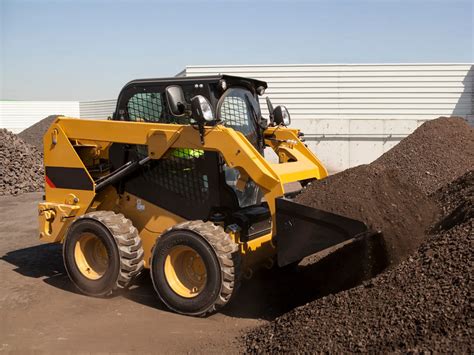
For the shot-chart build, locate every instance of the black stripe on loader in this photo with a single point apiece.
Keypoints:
(69, 178)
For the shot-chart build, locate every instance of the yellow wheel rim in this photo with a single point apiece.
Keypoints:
(185, 271)
(91, 256)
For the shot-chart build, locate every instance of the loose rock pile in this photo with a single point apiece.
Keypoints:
(33, 135)
(436, 153)
(21, 159)
(391, 194)
(423, 303)
(21, 165)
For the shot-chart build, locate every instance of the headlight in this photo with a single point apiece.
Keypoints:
(206, 109)
(223, 84)
(201, 109)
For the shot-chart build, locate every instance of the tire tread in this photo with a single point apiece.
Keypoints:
(228, 255)
(128, 243)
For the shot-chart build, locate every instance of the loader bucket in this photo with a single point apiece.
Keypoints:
(302, 230)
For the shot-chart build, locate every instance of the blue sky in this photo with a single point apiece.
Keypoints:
(78, 50)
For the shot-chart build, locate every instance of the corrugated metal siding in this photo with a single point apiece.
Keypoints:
(18, 115)
(393, 91)
(100, 109)
(351, 114)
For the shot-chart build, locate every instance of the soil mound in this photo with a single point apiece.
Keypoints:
(422, 304)
(436, 153)
(391, 194)
(21, 165)
(33, 135)
(383, 198)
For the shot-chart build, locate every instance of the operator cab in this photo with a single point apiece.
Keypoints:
(233, 102)
(195, 183)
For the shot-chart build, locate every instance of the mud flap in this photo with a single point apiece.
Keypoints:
(302, 230)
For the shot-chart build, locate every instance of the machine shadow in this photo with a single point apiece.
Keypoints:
(45, 261)
(269, 294)
(274, 292)
(41, 261)
(463, 106)
(142, 292)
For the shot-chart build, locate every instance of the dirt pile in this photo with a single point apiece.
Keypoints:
(391, 194)
(33, 135)
(21, 165)
(383, 199)
(436, 153)
(422, 304)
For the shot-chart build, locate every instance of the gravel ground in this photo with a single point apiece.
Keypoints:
(423, 304)
(21, 165)
(41, 312)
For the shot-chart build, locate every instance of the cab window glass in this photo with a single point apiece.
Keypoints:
(239, 110)
(145, 107)
(151, 107)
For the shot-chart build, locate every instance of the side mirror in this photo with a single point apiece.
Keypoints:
(176, 100)
(281, 116)
(201, 110)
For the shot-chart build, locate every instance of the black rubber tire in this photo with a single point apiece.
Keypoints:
(222, 260)
(124, 249)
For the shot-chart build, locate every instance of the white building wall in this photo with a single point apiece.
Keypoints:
(99, 109)
(351, 114)
(18, 115)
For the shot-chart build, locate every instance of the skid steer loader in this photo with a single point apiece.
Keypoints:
(177, 182)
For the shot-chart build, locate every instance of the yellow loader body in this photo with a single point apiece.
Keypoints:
(177, 182)
(70, 190)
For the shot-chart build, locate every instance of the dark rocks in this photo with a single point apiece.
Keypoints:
(33, 135)
(436, 153)
(21, 159)
(380, 196)
(424, 303)
(21, 165)
(390, 194)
